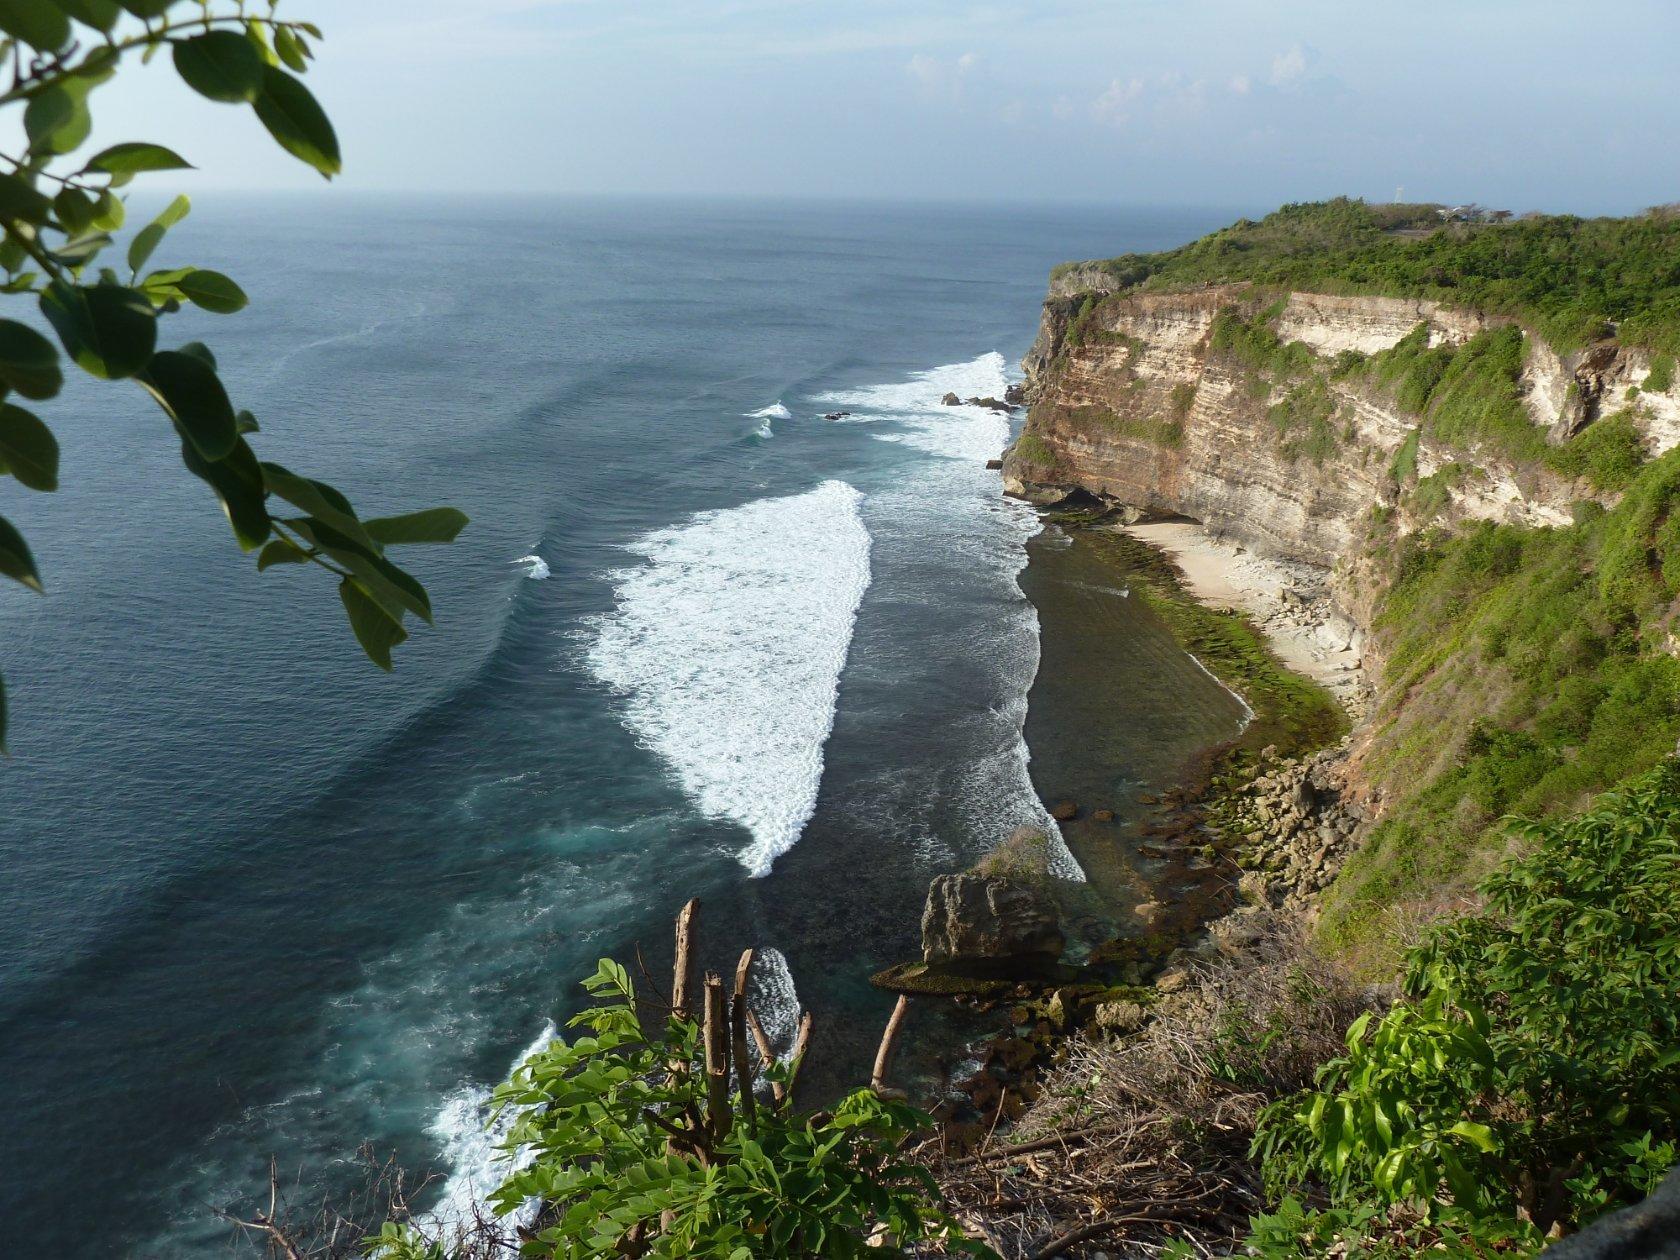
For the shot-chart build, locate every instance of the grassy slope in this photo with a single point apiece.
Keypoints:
(1528, 670)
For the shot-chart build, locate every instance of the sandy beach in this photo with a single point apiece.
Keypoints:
(1287, 600)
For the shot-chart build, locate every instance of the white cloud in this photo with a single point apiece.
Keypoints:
(1241, 85)
(1114, 106)
(1289, 66)
(938, 77)
(1062, 108)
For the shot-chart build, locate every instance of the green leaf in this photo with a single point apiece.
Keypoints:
(57, 120)
(258, 36)
(100, 14)
(222, 65)
(433, 525)
(375, 631)
(191, 392)
(21, 201)
(213, 291)
(78, 252)
(38, 24)
(28, 361)
(75, 210)
(396, 591)
(199, 350)
(15, 560)
(289, 49)
(147, 8)
(319, 500)
(1478, 1135)
(135, 158)
(247, 422)
(238, 483)
(28, 448)
(297, 122)
(109, 331)
(281, 550)
(147, 238)
(111, 212)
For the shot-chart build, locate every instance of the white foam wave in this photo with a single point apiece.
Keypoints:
(536, 568)
(775, 411)
(727, 648)
(953, 499)
(472, 1144)
(774, 999)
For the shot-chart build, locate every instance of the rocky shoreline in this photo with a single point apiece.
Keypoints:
(1267, 830)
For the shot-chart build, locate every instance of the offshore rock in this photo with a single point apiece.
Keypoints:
(950, 399)
(981, 919)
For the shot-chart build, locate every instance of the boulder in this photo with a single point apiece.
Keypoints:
(1064, 811)
(1119, 1019)
(1015, 395)
(991, 404)
(835, 415)
(1102, 815)
(994, 464)
(985, 919)
(951, 400)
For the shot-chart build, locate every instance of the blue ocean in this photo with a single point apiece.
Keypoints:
(262, 900)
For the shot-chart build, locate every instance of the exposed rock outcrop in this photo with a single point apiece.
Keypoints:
(985, 920)
(1134, 404)
(1296, 823)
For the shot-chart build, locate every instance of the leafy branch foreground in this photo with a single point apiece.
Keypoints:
(678, 1137)
(58, 212)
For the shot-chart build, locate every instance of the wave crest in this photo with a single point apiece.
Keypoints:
(727, 648)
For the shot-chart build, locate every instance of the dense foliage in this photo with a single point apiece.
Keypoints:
(59, 210)
(1572, 278)
(601, 1120)
(1530, 1078)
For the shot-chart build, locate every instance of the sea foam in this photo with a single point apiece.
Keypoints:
(536, 568)
(471, 1143)
(951, 504)
(727, 648)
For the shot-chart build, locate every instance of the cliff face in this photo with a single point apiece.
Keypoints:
(1139, 400)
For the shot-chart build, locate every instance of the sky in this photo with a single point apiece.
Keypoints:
(1521, 104)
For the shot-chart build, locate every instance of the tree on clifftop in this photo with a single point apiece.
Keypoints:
(59, 210)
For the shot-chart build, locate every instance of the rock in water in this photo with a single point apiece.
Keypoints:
(1064, 811)
(1015, 395)
(951, 400)
(988, 920)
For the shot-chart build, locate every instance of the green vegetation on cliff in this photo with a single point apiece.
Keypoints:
(1530, 1077)
(1527, 669)
(1572, 278)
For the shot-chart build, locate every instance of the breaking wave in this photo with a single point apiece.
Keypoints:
(727, 648)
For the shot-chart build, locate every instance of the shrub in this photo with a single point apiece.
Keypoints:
(1608, 453)
(1531, 1075)
(1032, 449)
(1661, 377)
(1255, 344)
(631, 1152)
(1404, 467)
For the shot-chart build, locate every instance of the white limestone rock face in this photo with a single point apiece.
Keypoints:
(1144, 413)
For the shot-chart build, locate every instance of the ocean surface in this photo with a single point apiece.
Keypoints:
(260, 899)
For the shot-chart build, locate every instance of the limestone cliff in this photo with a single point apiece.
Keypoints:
(1138, 400)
